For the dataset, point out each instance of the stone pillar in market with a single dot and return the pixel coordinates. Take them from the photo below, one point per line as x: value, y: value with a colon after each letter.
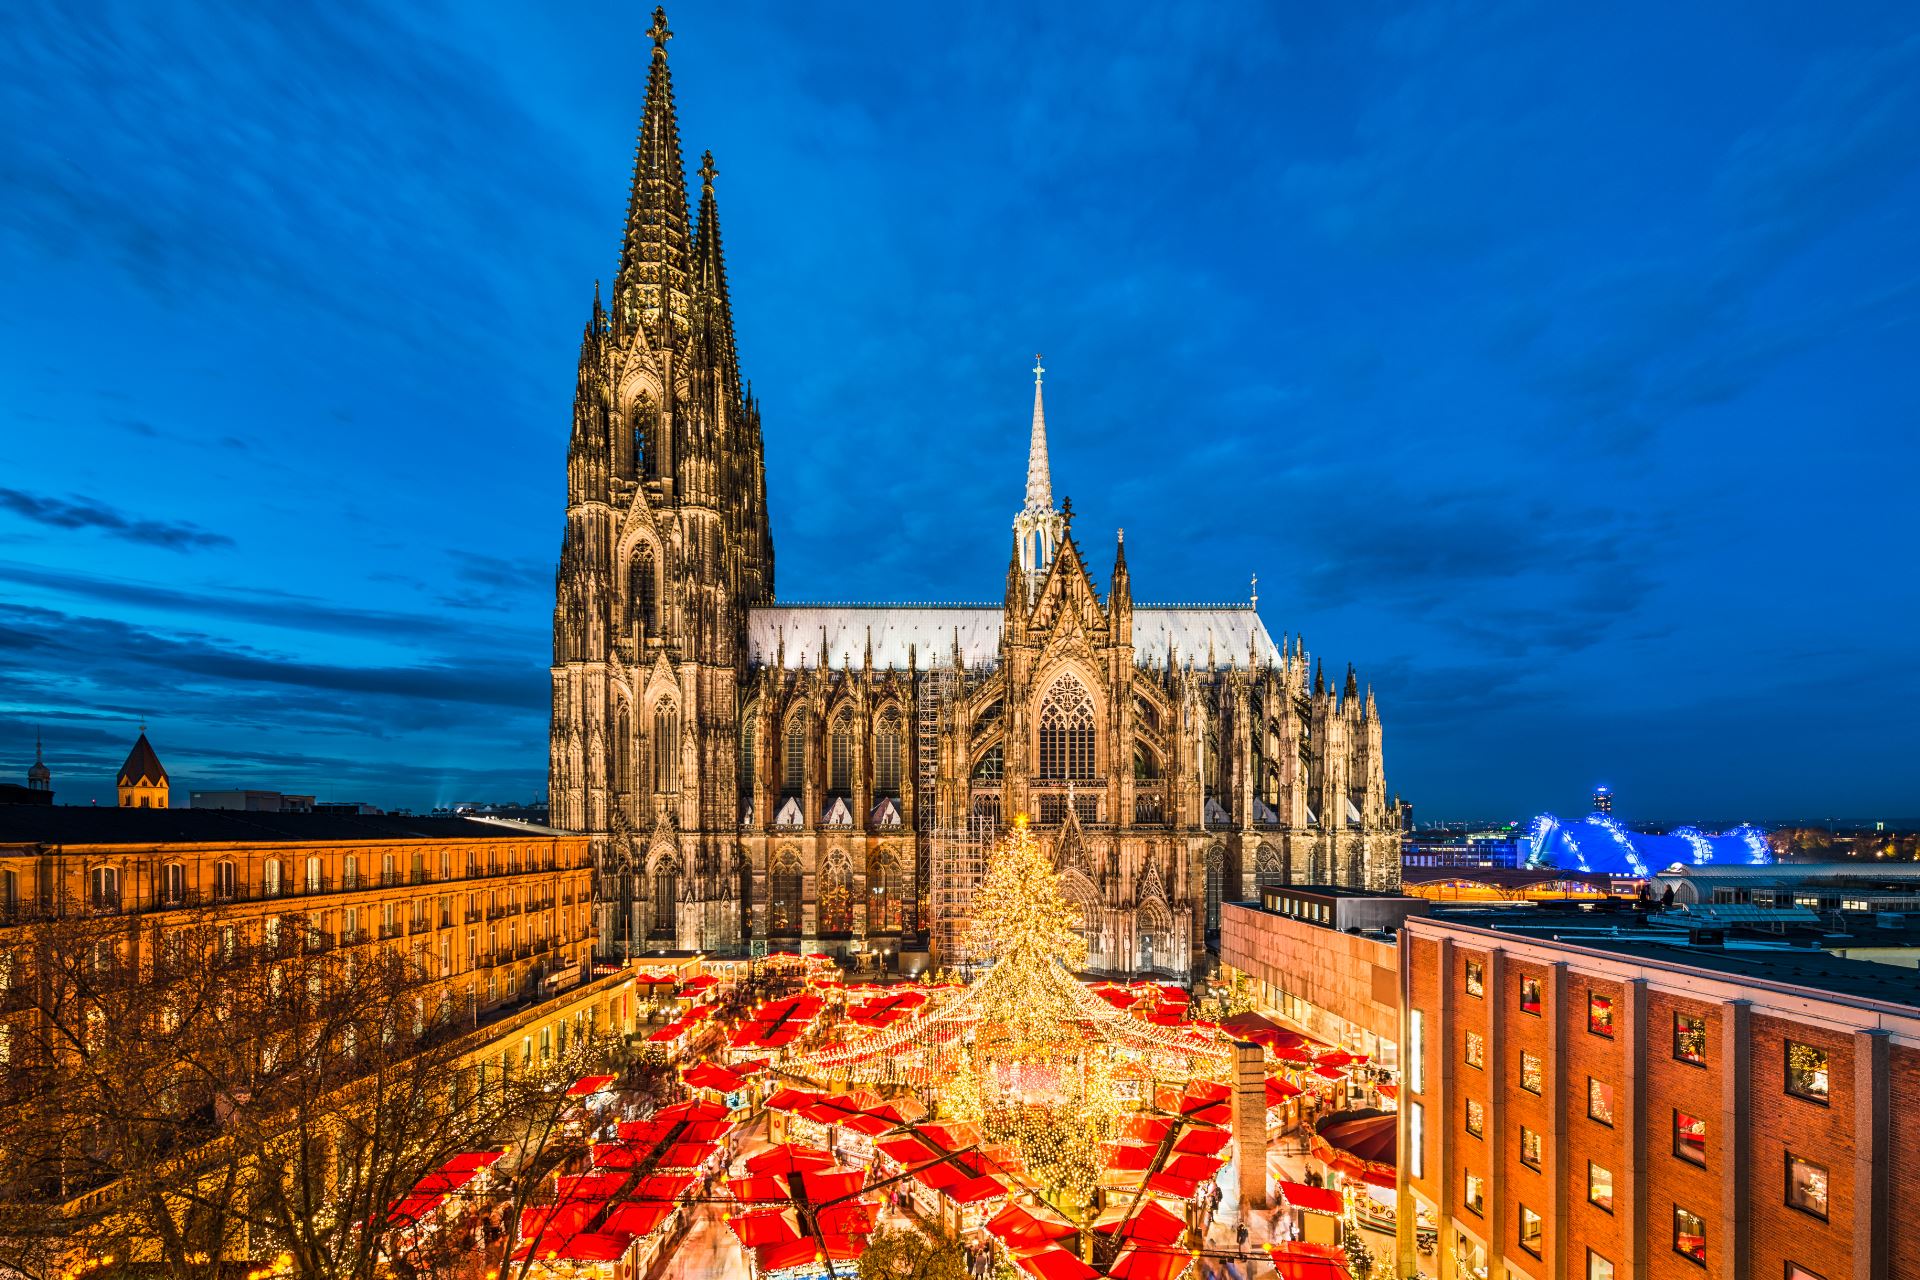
x: 1250, y: 1122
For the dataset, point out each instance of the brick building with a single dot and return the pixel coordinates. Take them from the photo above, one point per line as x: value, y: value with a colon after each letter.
x: 1581, y: 1104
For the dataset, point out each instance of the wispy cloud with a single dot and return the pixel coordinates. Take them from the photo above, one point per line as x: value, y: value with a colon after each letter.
x: 88, y: 513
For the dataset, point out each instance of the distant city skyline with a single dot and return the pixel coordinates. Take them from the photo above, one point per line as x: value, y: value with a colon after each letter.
x: 1550, y: 367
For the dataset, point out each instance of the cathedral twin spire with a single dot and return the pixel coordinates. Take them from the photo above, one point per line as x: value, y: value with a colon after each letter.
x: 1038, y: 529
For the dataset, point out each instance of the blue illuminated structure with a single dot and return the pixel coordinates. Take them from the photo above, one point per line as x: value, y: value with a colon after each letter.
x: 1599, y: 843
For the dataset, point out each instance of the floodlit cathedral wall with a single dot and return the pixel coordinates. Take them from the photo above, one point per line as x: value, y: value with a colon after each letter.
x: 750, y: 771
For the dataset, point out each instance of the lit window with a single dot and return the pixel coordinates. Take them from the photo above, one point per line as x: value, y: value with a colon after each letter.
x: 1797, y: 1272
x: 1066, y: 732
x: 1600, y: 1015
x: 1599, y: 1186
x: 1689, y: 1235
x: 1530, y: 996
x: 1599, y: 1101
x: 1806, y: 1186
x: 1690, y: 1039
x: 1807, y: 1072
x: 1530, y: 1073
x: 1690, y: 1137
x: 1531, y: 1231
x: 1529, y: 1147
x: 1476, y: 1118
x: 1598, y: 1268
x: 1416, y: 1052
x: 1417, y: 1139
x: 1476, y: 978
x: 1476, y: 1194
x: 1476, y: 1049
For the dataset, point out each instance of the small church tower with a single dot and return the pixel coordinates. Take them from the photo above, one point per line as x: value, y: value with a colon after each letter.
x: 39, y: 777
x: 143, y: 779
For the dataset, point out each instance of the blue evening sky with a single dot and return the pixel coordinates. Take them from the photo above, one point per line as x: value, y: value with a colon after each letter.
x: 1553, y: 363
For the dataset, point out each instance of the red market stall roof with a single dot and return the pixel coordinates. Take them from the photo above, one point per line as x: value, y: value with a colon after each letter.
x: 1204, y: 1142
x: 587, y: 1246
x: 1389, y: 1090
x: 778, y: 1257
x: 636, y: 1217
x: 761, y: 1188
x: 1131, y: 1157
x: 1118, y: 997
x: 1022, y: 1227
x: 472, y: 1160
x: 1199, y: 1168
x: 1330, y: 1073
x: 588, y: 1085
x: 1368, y: 1134
x: 1174, y: 995
x: 686, y: 1155
x: 697, y: 984
x: 766, y: 1226
x: 1279, y: 1089
x: 544, y: 1221
x: 656, y: 979
x: 1145, y: 1128
x: 1315, y: 1199
x: 1153, y: 1223
x: 789, y: 1157
x: 708, y: 1075
x: 411, y: 1209
x: 1298, y: 1260
x: 660, y: 1186
x: 696, y: 1111
x: 1055, y: 1263
x: 644, y: 1130
x: 444, y: 1182
x: 1149, y: 1262
x: 705, y: 1131
x: 588, y: 1186
x: 787, y: 1098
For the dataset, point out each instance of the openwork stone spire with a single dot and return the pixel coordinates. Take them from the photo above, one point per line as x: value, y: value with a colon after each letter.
x: 1038, y: 530
x: 656, y: 261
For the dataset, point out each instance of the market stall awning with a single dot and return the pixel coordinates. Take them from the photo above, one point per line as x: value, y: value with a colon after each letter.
x: 1149, y: 1262
x: 1055, y: 1263
x: 589, y: 1186
x: 1298, y: 1260
x: 1315, y: 1199
x: 444, y: 1182
x: 660, y: 1186
x: 709, y: 1075
x: 473, y: 1160
x: 691, y: 1111
x: 1021, y: 1226
x: 766, y: 1227
x: 758, y: 1189
x: 408, y: 1210
x: 791, y: 1099
x: 789, y: 1157
x: 540, y: 1221
x: 588, y: 1246
x: 1204, y: 1142
x: 1279, y: 1089
x: 636, y: 1217
x: 1131, y: 1157
x: 1152, y: 1223
x: 1369, y: 1134
x: 686, y: 1155
x: 587, y: 1085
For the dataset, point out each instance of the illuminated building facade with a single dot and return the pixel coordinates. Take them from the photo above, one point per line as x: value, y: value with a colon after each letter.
x: 1577, y: 1103
x: 826, y: 774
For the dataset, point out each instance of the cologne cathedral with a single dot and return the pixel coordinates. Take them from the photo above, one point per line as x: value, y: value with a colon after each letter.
x: 829, y: 776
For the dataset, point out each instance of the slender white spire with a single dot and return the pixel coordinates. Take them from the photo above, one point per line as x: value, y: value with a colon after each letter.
x: 1039, y: 480
x: 1038, y: 528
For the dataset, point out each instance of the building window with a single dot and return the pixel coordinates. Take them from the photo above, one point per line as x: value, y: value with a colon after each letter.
x: 784, y: 911
x: 1690, y: 1039
x: 1530, y: 1073
x: 270, y: 878
x: 666, y: 748
x: 1416, y: 1052
x: 1476, y: 1197
x: 886, y: 894
x: 1476, y: 978
x: 666, y: 899
x: 1689, y: 1235
x: 1598, y: 1268
x: 747, y: 765
x: 1599, y: 1101
x: 1600, y: 1015
x: 1066, y: 732
x: 1806, y: 1186
x: 840, y: 754
x: 316, y: 875
x: 1690, y: 1137
x: 1807, y: 1072
x: 641, y: 592
x: 1417, y: 1140
x: 224, y: 879
x: 1476, y: 1118
x: 1599, y: 1186
x: 836, y: 895
x: 1476, y: 1050
x: 1529, y: 1148
x: 887, y: 748
x: 1797, y: 1272
x: 1531, y: 1231
x: 1530, y: 996
x: 173, y: 884
x: 793, y: 768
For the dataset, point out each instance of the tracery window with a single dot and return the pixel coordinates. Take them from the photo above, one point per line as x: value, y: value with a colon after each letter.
x: 747, y: 741
x: 886, y: 894
x: 1066, y: 732
x: 886, y: 754
x: 992, y: 766
x: 794, y: 763
x: 641, y: 591
x: 836, y: 895
x: 666, y: 887
x: 783, y: 897
x: 1216, y: 886
x: 840, y: 754
x: 666, y: 748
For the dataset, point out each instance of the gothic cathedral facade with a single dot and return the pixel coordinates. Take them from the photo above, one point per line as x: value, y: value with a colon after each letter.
x: 827, y: 776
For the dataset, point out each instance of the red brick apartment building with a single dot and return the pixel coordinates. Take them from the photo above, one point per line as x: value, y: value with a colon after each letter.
x: 1581, y: 1105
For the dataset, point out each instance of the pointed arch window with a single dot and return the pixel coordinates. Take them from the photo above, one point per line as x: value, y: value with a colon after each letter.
x: 1066, y: 732
x: 666, y: 748
x: 643, y: 418
x: 992, y: 766
x: 783, y: 897
x: 886, y: 894
x: 748, y: 739
x: 793, y: 776
x: 887, y: 749
x: 836, y: 895
x: 666, y: 899
x: 642, y: 590
x: 840, y: 754
x: 1216, y: 886
x: 623, y: 752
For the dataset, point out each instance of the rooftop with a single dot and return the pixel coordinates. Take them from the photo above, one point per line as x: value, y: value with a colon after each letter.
x: 1628, y: 934
x: 83, y: 825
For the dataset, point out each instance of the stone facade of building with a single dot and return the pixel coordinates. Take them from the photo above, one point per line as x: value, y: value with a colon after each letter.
x: 818, y: 774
